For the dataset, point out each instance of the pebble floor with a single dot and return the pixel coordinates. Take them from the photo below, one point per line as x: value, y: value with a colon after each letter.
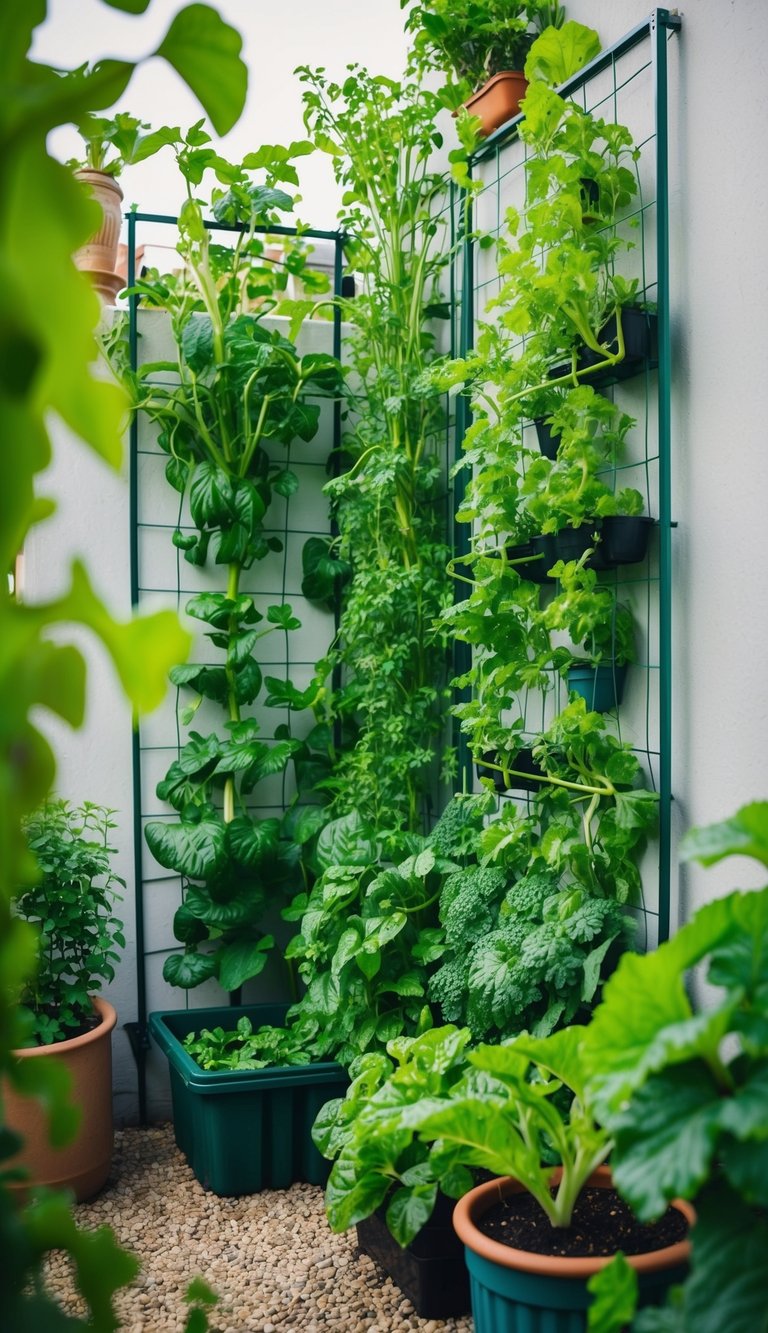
x: 271, y: 1256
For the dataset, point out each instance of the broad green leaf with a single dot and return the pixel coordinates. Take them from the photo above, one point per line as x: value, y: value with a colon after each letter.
x: 559, y: 53
x: 410, y: 1210
x: 197, y: 850
x: 745, y: 834
x: 615, y: 1290
x: 205, y: 51
x: 345, y: 841
x: 666, y: 1138
x: 189, y: 969
x: 188, y: 928
x: 726, y: 1288
x: 241, y: 960
x: 240, y: 909
x: 252, y: 841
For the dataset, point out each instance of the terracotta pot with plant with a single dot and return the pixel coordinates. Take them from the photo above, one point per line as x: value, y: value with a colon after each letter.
x: 110, y: 145
x: 483, y: 46
x: 534, y: 1237
x: 71, y: 902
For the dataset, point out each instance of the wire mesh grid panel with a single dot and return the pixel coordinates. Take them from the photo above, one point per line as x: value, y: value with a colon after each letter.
x: 163, y: 578
x: 620, y: 88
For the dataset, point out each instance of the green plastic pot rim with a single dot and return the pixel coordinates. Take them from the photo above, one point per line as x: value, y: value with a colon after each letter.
x: 221, y: 1081
x: 477, y: 1202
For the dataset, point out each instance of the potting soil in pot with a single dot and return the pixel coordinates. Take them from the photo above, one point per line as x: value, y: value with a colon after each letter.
x: 602, y: 1223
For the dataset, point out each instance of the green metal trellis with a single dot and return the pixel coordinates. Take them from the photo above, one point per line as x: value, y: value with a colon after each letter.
x: 655, y: 33
x: 138, y: 1031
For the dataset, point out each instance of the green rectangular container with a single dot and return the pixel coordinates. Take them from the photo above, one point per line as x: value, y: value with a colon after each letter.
x: 245, y: 1130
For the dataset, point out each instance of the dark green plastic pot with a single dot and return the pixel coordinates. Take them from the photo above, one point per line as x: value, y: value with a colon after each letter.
x: 601, y: 687
x: 245, y: 1130
x: 514, y: 1291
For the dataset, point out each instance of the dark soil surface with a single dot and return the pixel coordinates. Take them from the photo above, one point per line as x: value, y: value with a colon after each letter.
x: 602, y: 1223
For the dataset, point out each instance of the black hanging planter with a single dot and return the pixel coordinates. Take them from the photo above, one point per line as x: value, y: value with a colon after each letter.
x: 625, y: 538
x: 571, y: 543
x: 430, y: 1271
x: 639, y: 328
x: 548, y: 442
x: 536, y: 556
x: 524, y: 777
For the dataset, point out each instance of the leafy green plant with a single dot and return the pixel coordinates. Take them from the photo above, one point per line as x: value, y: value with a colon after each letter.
x: 445, y: 1110
x: 240, y: 389
x: 48, y: 314
x: 113, y: 143
x: 591, y: 614
x: 71, y: 904
x: 242, y: 1048
x: 391, y: 705
x: 367, y: 936
x: 682, y: 1086
x: 472, y: 41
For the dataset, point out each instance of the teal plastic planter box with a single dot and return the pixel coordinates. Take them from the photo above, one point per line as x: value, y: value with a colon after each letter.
x: 245, y: 1130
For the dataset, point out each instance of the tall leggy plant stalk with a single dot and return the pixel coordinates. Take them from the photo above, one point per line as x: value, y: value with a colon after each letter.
x: 242, y: 388
x: 381, y: 135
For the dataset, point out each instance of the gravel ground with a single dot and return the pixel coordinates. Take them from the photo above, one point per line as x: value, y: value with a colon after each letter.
x: 271, y: 1256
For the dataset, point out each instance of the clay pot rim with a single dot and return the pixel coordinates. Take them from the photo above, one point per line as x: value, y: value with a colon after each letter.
x: 94, y: 177
x: 503, y: 76
x: 108, y: 1015
x: 480, y: 1199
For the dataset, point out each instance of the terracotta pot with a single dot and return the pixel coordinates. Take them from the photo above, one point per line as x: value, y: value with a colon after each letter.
x: 516, y: 1291
x: 83, y: 1164
x: 99, y: 257
x: 499, y: 99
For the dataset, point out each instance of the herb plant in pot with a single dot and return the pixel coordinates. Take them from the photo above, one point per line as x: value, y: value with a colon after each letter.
x: 603, y: 628
x: 69, y: 1027
x: 482, y: 46
x: 110, y: 145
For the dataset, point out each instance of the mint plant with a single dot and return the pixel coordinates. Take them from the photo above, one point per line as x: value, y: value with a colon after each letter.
x: 71, y: 904
x: 240, y: 388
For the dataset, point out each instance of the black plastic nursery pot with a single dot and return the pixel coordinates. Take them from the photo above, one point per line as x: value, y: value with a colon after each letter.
x: 524, y: 776
x: 548, y: 442
x: 536, y: 557
x: 571, y: 543
x: 245, y: 1130
x: 430, y: 1271
x: 601, y: 687
x: 639, y: 328
x: 625, y: 538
